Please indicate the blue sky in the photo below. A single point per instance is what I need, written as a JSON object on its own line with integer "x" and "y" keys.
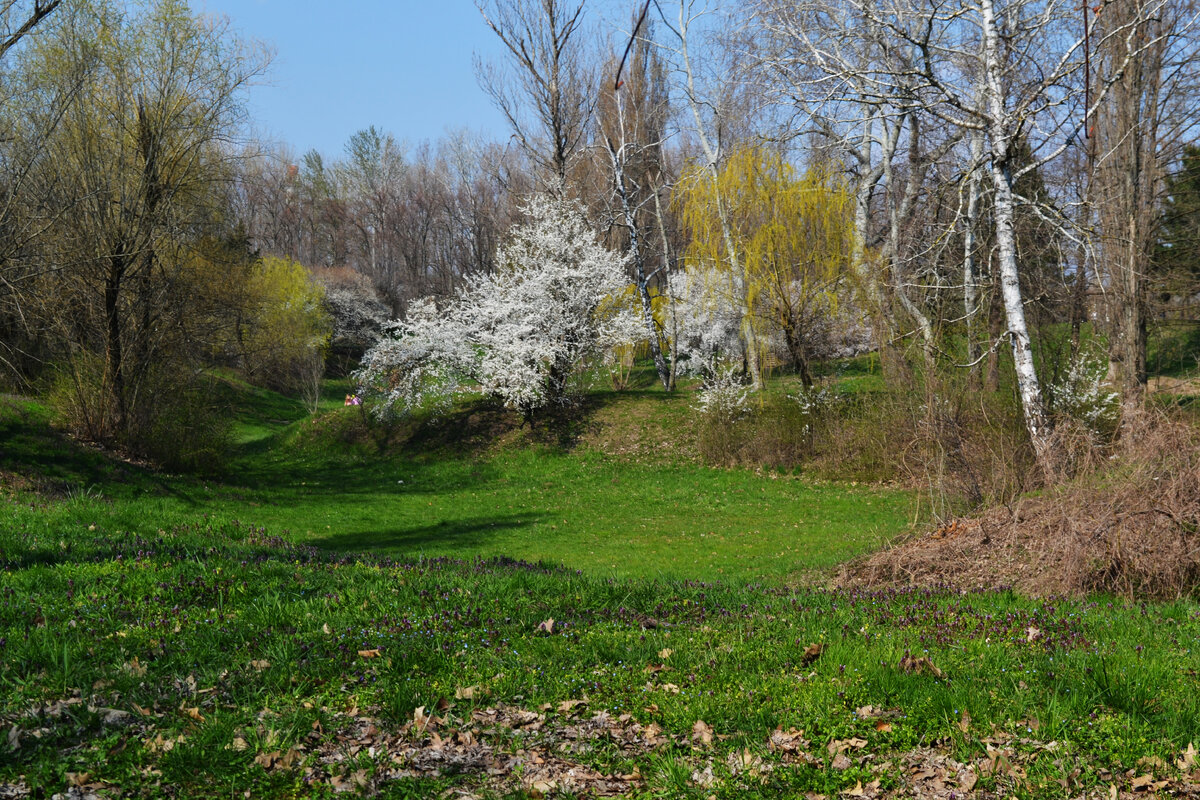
{"x": 405, "y": 66}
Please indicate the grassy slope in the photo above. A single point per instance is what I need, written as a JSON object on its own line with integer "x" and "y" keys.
{"x": 325, "y": 481}
{"x": 231, "y": 646}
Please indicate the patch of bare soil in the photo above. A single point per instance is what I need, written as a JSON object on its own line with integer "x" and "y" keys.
{"x": 1132, "y": 528}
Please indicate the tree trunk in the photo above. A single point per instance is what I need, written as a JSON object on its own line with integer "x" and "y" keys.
{"x": 1000, "y": 132}
{"x": 639, "y": 266}
{"x": 666, "y": 257}
{"x": 970, "y": 278}
{"x": 114, "y": 365}
{"x": 799, "y": 354}
{"x": 1129, "y": 136}
{"x": 991, "y": 378}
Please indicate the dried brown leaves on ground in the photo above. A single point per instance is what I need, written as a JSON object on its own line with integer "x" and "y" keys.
{"x": 506, "y": 749}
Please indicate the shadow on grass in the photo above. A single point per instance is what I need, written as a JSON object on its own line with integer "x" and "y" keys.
{"x": 465, "y": 534}
{"x": 55, "y": 466}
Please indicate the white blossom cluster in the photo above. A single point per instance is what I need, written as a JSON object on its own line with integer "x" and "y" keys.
{"x": 1082, "y": 394}
{"x": 725, "y": 394}
{"x": 550, "y": 311}
{"x": 816, "y": 401}
{"x": 708, "y": 339}
{"x": 358, "y": 314}
{"x": 707, "y": 322}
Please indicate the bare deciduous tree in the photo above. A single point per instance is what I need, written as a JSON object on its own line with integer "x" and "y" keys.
{"x": 546, "y": 92}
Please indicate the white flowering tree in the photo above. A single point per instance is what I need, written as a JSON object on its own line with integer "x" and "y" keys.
{"x": 706, "y": 320}
{"x": 552, "y": 309}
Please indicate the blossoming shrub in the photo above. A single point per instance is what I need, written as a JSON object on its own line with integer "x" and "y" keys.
{"x": 1083, "y": 396}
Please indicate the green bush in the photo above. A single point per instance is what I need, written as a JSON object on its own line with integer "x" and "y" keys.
{"x": 175, "y": 419}
{"x": 184, "y": 429}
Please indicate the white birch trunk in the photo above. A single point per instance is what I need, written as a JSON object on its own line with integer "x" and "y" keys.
{"x": 1000, "y": 129}
{"x": 970, "y": 278}
{"x": 641, "y": 279}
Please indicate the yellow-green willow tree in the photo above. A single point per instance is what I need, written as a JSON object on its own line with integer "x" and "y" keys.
{"x": 786, "y": 243}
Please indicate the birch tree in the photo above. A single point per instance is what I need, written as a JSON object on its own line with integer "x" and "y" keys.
{"x": 713, "y": 107}
{"x": 826, "y": 61}
{"x": 1012, "y": 70}
{"x": 632, "y": 117}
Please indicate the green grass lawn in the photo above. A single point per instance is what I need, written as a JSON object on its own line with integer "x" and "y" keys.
{"x": 343, "y": 612}
{"x": 212, "y": 659}
{"x": 576, "y": 507}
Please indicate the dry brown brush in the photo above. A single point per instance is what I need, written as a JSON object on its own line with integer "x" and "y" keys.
{"x": 1129, "y": 528}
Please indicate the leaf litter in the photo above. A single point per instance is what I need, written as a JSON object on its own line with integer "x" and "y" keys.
{"x": 505, "y": 748}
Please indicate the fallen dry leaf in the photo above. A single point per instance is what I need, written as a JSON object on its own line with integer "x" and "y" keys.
{"x": 1152, "y": 763}
{"x": 882, "y": 727}
{"x": 842, "y": 745}
{"x": 862, "y": 791}
{"x": 160, "y": 745}
{"x": 745, "y": 762}
{"x": 77, "y": 778}
{"x": 811, "y": 654}
{"x": 789, "y": 741}
{"x": 875, "y": 712}
{"x": 546, "y": 626}
{"x": 1032, "y": 633}
{"x": 192, "y": 712}
{"x": 702, "y": 734}
{"x": 916, "y": 666}
{"x": 465, "y": 692}
{"x": 541, "y": 788}
{"x": 372, "y": 653}
{"x": 665, "y": 652}
{"x": 566, "y": 705}
{"x": 356, "y": 780}
{"x": 277, "y": 760}
{"x": 964, "y": 723}
{"x": 260, "y": 664}
{"x": 1146, "y": 783}
{"x": 420, "y": 719}
{"x": 1189, "y": 760}
{"x": 840, "y": 762}
{"x": 703, "y": 778}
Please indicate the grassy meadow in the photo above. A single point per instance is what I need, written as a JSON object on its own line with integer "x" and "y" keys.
{"x": 557, "y": 612}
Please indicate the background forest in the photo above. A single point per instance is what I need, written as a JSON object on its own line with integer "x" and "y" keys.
{"x": 1000, "y": 206}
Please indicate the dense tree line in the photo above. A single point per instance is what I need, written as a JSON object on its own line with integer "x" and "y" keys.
{"x": 1005, "y": 192}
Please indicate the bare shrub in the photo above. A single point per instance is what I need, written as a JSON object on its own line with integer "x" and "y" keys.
{"x": 175, "y": 419}
{"x": 1130, "y": 529}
